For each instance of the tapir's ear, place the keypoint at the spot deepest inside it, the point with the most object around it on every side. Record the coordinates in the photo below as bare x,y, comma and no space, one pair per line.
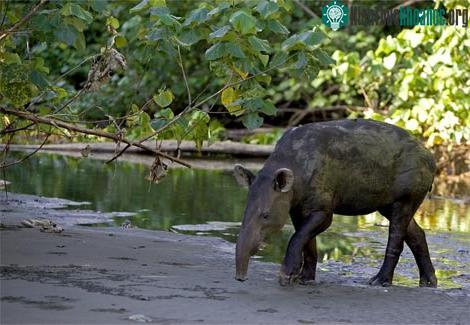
243,176
283,180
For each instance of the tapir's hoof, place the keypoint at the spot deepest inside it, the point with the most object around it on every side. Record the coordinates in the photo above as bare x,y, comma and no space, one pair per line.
431,283
287,280
379,280
306,282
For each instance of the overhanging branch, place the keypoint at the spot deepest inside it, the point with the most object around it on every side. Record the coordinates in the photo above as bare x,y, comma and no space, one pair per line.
60,124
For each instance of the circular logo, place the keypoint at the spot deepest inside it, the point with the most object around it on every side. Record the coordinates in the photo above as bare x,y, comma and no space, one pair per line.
335,14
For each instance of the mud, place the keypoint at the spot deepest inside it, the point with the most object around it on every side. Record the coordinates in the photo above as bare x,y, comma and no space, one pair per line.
115,275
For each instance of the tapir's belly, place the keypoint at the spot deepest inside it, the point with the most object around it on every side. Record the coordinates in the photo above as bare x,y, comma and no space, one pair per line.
363,191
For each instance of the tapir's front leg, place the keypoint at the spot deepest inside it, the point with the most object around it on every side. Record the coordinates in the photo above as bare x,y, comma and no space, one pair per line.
315,223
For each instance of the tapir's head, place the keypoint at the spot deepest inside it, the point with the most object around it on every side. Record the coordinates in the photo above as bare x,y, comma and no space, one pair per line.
267,210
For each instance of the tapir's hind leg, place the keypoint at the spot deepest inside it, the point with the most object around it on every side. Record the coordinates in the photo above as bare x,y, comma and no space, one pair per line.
402,213
416,240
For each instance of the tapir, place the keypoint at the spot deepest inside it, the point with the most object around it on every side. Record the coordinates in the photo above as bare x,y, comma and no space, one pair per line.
348,167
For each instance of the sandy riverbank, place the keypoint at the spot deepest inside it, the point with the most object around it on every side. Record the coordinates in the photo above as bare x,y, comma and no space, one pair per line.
111,275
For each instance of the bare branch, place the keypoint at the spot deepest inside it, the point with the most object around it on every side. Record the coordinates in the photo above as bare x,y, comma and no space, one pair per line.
5,165
407,3
184,76
70,101
199,104
306,8
119,154
8,130
23,20
99,133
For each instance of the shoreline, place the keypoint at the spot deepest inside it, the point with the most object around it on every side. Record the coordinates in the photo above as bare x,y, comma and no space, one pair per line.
453,187
116,275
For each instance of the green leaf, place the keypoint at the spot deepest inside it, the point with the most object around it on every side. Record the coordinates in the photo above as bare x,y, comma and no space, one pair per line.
158,34
39,80
114,22
267,8
98,5
190,37
412,125
74,9
66,34
301,60
141,6
164,98
277,27
163,13
324,58
243,22
9,58
268,108
312,38
79,24
389,61
264,59
196,16
79,43
198,124
259,45
159,11
215,52
220,32
252,120
289,43
223,6
279,59
234,50
120,41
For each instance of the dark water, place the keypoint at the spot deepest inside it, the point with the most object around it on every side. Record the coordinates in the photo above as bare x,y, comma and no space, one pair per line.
209,202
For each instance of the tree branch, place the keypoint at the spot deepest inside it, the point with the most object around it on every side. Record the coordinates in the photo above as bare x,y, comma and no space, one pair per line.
5,165
99,133
8,130
23,20
184,77
306,9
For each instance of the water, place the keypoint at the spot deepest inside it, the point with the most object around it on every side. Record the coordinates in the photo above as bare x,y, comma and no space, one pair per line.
210,202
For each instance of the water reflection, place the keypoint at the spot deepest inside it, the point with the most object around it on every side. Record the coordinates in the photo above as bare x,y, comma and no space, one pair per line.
210,198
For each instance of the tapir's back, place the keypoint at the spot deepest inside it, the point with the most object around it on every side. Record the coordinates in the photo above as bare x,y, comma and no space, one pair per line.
347,157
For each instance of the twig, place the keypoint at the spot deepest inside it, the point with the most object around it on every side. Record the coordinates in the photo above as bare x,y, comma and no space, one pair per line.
67,103
6,130
99,133
5,14
306,9
4,165
407,3
37,98
217,93
119,154
23,20
368,102
184,77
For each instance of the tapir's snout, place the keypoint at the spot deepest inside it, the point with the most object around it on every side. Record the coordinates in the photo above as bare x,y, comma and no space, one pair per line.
247,245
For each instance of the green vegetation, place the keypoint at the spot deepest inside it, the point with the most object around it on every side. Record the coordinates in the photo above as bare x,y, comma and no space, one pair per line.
137,70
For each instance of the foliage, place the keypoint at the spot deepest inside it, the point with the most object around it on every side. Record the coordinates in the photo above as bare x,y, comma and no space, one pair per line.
162,69
420,78
151,68
264,138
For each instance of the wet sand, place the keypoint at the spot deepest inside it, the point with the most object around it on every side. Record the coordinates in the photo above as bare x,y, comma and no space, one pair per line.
113,275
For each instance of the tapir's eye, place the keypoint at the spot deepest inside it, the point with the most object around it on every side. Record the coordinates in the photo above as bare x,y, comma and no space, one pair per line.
264,216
